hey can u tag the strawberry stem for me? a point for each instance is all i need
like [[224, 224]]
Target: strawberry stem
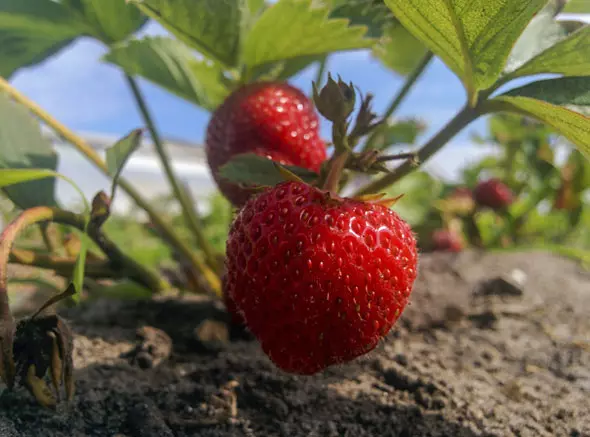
[[337, 164]]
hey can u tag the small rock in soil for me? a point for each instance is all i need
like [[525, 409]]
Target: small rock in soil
[[154, 346]]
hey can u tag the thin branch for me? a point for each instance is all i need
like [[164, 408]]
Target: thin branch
[[61, 265], [118, 261], [458, 123], [399, 98], [190, 214]]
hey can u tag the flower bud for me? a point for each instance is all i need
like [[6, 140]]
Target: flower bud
[[336, 100]]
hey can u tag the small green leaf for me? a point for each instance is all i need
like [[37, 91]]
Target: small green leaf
[[251, 169], [12, 176], [111, 20], [562, 103], [401, 132], [23, 146], [570, 57], [210, 26], [33, 30], [295, 28], [170, 64], [119, 153], [474, 38], [398, 49], [371, 13]]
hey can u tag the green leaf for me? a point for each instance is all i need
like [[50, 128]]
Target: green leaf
[[283, 70], [111, 20], [22, 146], [474, 38], [295, 28], [562, 103], [399, 50], [10, 176], [570, 57], [210, 26], [33, 30], [371, 13], [254, 6], [118, 154], [541, 33], [170, 64], [251, 169], [401, 132]]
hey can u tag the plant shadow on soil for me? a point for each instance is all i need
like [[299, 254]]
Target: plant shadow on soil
[[459, 363]]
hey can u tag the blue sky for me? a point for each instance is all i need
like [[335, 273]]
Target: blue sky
[[90, 96]]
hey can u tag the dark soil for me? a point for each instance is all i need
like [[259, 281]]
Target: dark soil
[[465, 360]]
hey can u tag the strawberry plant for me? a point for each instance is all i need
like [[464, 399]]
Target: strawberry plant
[[315, 252]]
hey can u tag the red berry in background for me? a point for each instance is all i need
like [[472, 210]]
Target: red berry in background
[[319, 279], [444, 240], [493, 194], [268, 119]]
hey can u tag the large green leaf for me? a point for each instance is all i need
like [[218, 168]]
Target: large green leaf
[[22, 146], [398, 49], [210, 26], [295, 28], [251, 169], [110, 20], [541, 33], [33, 30], [371, 13], [473, 37], [570, 57], [171, 65], [119, 153], [283, 70], [562, 103]]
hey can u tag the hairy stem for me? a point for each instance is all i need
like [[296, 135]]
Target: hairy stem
[[189, 212], [48, 239], [83, 147], [63, 266], [458, 123], [399, 98], [118, 261]]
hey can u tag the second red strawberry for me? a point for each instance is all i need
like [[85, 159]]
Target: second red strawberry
[[270, 119]]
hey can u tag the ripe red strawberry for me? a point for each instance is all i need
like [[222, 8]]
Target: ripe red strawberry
[[444, 240], [318, 279], [235, 316], [494, 194], [270, 119]]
